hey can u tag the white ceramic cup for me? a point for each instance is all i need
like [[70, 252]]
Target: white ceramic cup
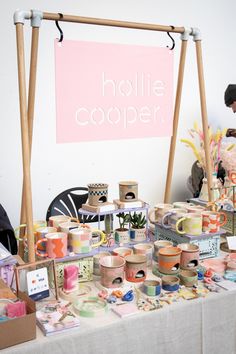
[[159, 210]]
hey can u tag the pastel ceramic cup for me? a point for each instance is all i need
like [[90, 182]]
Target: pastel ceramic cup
[[160, 209], [158, 245], [191, 223], [195, 209], [211, 221], [122, 251], [170, 219], [145, 249], [189, 259], [170, 283], [56, 245], [68, 225], [55, 220], [182, 205], [81, 240], [96, 259], [152, 287], [188, 277], [136, 268], [41, 233], [112, 271], [169, 260]]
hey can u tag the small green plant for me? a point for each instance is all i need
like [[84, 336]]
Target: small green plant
[[124, 219], [138, 220]]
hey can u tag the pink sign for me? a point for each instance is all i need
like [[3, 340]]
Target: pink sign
[[112, 91]]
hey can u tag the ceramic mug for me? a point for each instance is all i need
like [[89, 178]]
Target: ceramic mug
[[41, 233], [160, 209], [145, 249], [211, 221], [56, 245], [191, 224], [170, 219], [81, 240], [182, 205], [195, 209], [55, 220]]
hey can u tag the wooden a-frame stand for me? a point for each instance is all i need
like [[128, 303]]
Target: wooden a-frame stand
[[27, 106]]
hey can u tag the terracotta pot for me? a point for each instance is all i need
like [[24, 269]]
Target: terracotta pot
[[112, 271], [128, 191], [169, 260], [189, 259], [97, 193], [136, 268]]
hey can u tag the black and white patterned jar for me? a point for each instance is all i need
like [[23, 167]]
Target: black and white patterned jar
[[97, 193]]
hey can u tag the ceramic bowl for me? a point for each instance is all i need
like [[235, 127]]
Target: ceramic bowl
[[188, 277]]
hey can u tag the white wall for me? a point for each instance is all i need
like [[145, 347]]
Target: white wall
[[57, 167]]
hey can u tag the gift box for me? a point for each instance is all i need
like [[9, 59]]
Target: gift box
[[20, 329]]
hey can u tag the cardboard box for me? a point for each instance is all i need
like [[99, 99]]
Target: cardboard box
[[18, 330]]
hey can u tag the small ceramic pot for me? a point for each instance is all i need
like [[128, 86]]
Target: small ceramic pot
[[128, 191], [136, 268], [152, 287], [96, 260], [188, 277], [146, 249], [189, 259], [112, 271], [169, 260], [122, 236], [158, 245], [138, 235], [97, 193], [122, 251], [170, 283]]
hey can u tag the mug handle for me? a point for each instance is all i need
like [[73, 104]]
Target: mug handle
[[36, 248], [177, 226], [151, 212], [103, 238], [166, 226], [224, 218]]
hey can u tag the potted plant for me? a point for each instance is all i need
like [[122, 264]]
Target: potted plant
[[138, 229], [122, 233]]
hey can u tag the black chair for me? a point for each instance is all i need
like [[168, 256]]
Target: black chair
[[69, 202]]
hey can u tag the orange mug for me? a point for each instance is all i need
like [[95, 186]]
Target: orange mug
[[56, 245]]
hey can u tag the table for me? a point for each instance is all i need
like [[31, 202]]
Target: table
[[200, 326]]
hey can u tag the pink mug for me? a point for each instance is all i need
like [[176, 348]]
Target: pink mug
[[211, 221], [56, 245]]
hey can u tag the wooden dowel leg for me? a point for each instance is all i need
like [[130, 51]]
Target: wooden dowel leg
[[175, 121], [31, 102], [25, 139], [204, 117]]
